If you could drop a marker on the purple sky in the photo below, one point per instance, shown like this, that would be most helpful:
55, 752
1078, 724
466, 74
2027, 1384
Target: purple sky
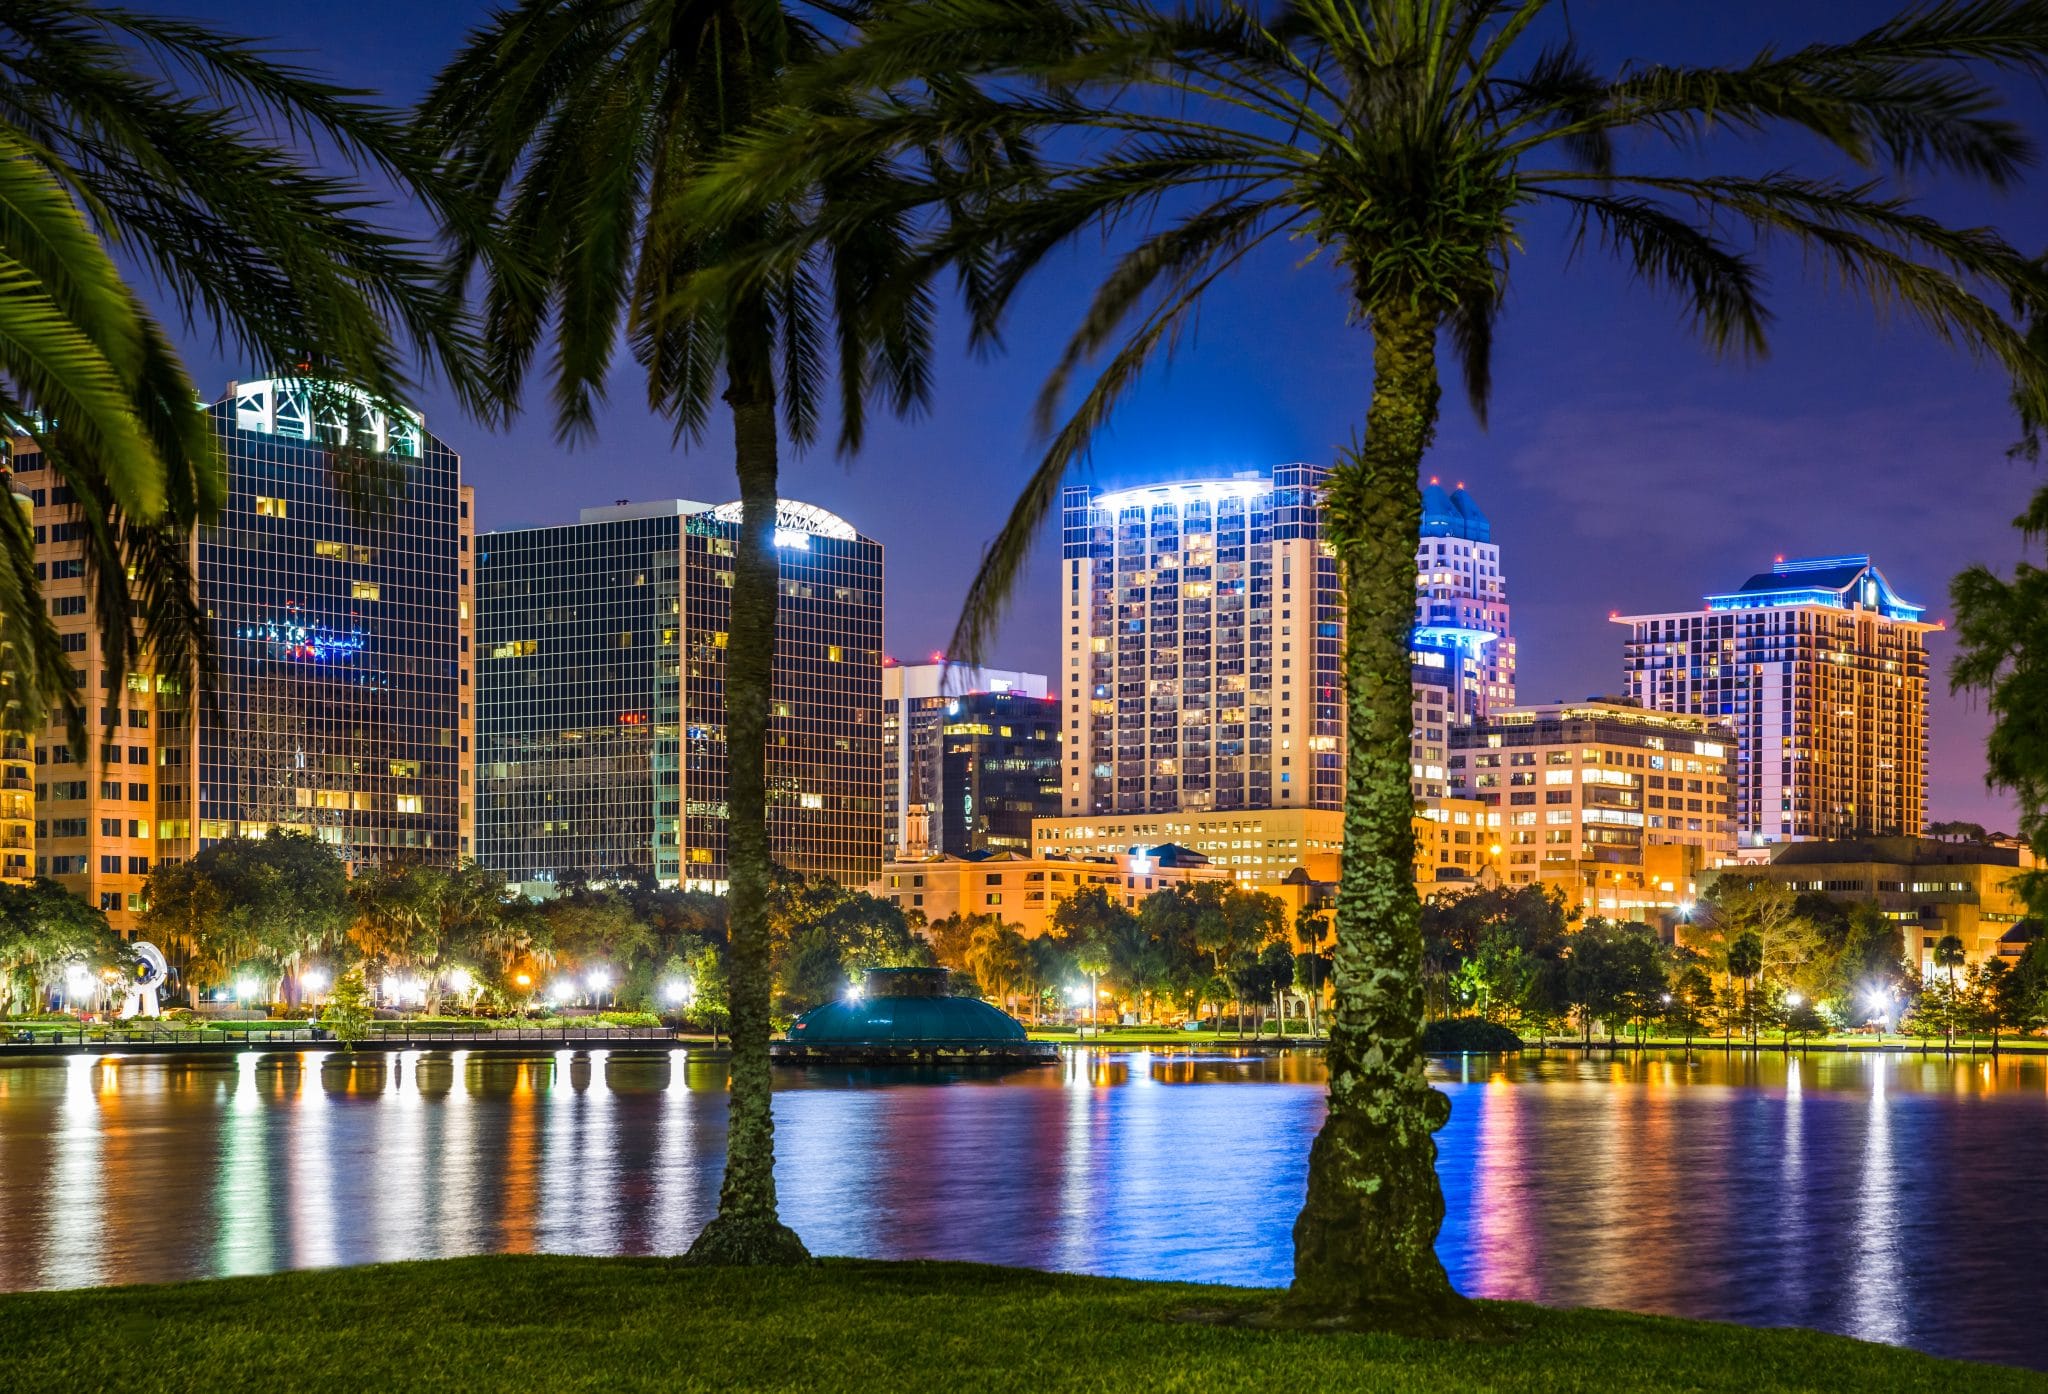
1625, 468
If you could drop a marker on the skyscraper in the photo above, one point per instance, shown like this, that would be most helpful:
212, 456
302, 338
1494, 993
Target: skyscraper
1821, 669
1461, 604
1201, 647
601, 696
338, 694
970, 756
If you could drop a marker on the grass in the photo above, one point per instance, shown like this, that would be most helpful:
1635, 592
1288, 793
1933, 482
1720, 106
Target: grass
478, 1325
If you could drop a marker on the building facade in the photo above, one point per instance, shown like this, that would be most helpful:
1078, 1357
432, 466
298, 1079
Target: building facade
1455, 841
1025, 890
601, 697
1930, 888
1821, 669
1591, 797
1461, 604
970, 756
338, 694
1201, 647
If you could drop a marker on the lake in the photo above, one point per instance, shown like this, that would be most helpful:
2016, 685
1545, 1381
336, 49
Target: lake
1896, 1198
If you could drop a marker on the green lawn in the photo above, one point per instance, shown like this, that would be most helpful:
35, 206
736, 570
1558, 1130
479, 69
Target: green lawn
491, 1324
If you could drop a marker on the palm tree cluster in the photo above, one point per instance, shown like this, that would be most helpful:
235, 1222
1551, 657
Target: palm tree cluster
761, 198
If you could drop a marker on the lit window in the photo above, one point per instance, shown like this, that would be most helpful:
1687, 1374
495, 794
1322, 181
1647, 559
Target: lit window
363, 590
811, 800
408, 803
832, 653
269, 508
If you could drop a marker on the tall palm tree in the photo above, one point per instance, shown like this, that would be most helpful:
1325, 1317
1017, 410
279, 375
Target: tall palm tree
183, 148
1417, 148
581, 123
1949, 955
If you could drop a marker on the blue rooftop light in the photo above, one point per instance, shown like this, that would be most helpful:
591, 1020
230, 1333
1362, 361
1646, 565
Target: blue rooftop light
1452, 513
1840, 583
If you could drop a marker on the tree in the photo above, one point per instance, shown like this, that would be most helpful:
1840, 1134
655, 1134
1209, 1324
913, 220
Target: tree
44, 932
1092, 959
1408, 144
706, 970
582, 128
1949, 955
206, 192
418, 916
1806, 1019
348, 1012
1692, 1001
1745, 965
2011, 1000
2002, 655
255, 907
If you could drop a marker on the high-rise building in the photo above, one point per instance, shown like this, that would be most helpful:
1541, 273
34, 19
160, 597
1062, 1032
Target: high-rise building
1821, 669
1461, 605
970, 756
337, 698
1202, 664
1594, 796
601, 723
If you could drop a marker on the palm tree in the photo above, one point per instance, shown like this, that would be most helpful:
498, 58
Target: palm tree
1745, 961
581, 123
1949, 955
1415, 147
246, 238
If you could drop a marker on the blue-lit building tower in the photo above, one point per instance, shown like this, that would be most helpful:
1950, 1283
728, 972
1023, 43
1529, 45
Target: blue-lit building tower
1821, 667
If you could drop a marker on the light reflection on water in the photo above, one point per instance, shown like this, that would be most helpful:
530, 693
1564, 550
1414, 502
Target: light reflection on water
1894, 1198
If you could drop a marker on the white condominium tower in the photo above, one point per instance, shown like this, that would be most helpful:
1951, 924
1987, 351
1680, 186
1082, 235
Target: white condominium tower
1202, 647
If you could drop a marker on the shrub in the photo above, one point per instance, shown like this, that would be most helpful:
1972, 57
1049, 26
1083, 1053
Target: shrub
1468, 1035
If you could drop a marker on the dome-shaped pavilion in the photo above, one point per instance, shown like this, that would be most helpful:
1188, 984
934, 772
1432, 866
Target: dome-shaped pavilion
906, 1015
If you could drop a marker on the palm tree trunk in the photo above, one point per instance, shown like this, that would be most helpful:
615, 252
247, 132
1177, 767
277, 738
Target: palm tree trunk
747, 1229
1365, 1242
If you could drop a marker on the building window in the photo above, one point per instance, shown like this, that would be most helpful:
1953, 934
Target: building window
269, 507
363, 590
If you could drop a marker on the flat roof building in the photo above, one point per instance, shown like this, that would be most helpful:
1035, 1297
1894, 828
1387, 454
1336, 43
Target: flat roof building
601, 697
1590, 793
1930, 888
1025, 890
970, 756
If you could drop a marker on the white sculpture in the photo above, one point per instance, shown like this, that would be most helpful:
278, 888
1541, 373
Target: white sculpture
148, 974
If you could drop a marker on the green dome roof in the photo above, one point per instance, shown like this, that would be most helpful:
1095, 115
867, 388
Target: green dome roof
882, 1018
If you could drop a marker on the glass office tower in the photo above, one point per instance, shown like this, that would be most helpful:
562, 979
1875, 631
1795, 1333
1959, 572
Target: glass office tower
338, 696
601, 697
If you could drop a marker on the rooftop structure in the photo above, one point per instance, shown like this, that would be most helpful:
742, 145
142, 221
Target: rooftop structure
1821, 669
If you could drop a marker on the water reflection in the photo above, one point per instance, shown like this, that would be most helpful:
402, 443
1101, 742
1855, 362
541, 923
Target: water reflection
1852, 1193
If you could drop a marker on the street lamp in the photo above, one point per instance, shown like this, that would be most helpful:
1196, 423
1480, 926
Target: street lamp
313, 980
598, 981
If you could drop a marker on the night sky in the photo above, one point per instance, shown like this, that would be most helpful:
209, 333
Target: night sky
1625, 467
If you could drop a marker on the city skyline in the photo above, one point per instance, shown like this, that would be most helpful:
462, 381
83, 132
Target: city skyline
1624, 467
